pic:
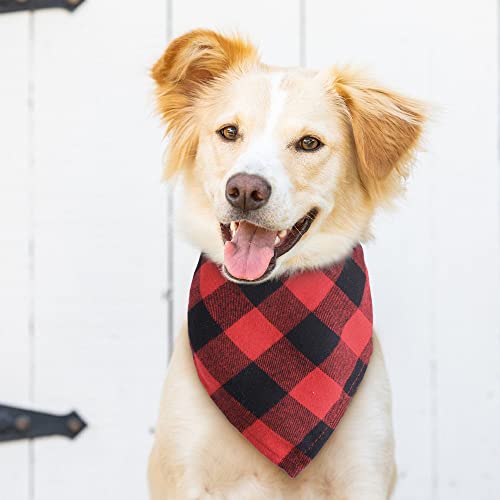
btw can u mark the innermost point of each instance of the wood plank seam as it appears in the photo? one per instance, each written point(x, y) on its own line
point(170, 227)
point(31, 243)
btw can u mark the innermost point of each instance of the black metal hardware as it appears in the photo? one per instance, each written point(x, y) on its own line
point(18, 5)
point(18, 423)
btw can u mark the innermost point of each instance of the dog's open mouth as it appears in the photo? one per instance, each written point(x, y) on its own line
point(250, 251)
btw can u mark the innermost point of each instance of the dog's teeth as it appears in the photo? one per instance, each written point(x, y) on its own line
point(233, 227)
point(277, 240)
point(282, 233)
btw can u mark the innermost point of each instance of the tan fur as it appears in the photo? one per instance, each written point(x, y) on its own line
point(192, 60)
point(206, 81)
point(386, 129)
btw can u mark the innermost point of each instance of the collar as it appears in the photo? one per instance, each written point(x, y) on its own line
point(282, 359)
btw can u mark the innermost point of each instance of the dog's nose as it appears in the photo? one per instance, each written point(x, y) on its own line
point(247, 192)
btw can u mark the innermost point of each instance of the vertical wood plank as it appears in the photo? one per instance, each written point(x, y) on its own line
point(274, 27)
point(100, 230)
point(15, 366)
point(466, 225)
point(388, 39)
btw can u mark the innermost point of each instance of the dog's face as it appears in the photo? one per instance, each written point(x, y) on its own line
point(268, 159)
point(283, 168)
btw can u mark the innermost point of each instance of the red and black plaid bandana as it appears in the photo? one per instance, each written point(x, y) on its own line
point(282, 359)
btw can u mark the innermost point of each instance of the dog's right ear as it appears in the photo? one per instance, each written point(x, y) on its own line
point(191, 62)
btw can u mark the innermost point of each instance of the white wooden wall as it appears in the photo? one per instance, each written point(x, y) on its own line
point(91, 276)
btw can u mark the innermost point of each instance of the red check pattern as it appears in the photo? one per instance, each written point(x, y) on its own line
point(283, 359)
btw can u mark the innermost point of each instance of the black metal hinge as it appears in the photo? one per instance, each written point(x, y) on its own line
point(19, 5)
point(18, 423)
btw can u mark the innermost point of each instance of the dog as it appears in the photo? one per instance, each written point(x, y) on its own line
point(264, 149)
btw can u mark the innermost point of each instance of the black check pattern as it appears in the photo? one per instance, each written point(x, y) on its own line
point(283, 359)
point(313, 339)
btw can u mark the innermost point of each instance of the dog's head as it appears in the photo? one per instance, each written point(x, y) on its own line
point(283, 168)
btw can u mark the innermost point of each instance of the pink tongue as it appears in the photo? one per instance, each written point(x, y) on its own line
point(248, 254)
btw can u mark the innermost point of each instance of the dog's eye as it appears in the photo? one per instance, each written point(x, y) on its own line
point(309, 143)
point(229, 133)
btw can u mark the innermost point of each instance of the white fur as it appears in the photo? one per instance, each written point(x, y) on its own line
point(262, 158)
point(278, 99)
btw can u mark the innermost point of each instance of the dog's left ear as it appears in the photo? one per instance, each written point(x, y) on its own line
point(386, 128)
point(190, 64)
